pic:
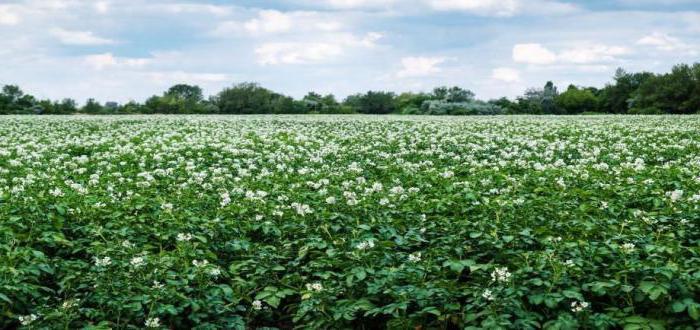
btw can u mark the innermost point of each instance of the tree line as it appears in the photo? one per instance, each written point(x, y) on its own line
point(675, 92)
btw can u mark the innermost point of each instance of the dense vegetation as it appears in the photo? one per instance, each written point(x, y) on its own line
point(214, 222)
point(677, 92)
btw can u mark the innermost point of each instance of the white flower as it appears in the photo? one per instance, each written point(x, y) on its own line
point(225, 199)
point(500, 275)
point(157, 285)
point(628, 247)
point(214, 272)
point(183, 237)
point(127, 244)
point(555, 239)
point(152, 322)
point(302, 209)
point(200, 264)
point(103, 262)
point(414, 257)
point(447, 174)
point(314, 287)
point(675, 195)
point(27, 319)
point(487, 294)
point(560, 182)
point(330, 200)
point(365, 245)
point(577, 307)
point(398, 190)
point(167, 207)
point(569, 263)
point(137, 262)
point(70, 303)
point(257, 305)
point(56, 192)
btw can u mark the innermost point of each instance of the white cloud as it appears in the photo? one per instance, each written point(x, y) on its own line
point(175, 77)
point(102, 61)
point(498, 8)
point(508, 75)
point(587, 54)
point(7, 16)
point(326, 49)
point(188, 8)
point(420, 66)
point(371, 38)
point(358, 4)
point(297, 52)
point(269, 22)
point(482, 7)
point(664, 42)
point(102, 7)
point(533, 54)
point(81, 38)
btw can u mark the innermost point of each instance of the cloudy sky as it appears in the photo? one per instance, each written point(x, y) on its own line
point(131, 49)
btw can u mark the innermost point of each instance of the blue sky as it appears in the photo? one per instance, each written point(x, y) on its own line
point(131, 49)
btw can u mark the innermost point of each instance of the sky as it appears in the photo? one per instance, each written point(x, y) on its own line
point(123, 50)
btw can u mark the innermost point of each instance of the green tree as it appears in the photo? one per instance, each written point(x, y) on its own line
point(92, 107)
point(506, 104)
point(531, 101)
point(576, 100)
point(66, 106)
point(410, 103)
point(619, 96)
point(452, 94)
point(317, 103)
point(250, 98)
point(14, 101)
point(188, 93)
point(180, 99)
point(373, 102)
point(549, 96)
point(675, 92)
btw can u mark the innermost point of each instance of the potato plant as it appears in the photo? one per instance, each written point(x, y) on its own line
point(212, 222)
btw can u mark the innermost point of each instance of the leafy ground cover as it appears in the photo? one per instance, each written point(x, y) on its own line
point(350, 222)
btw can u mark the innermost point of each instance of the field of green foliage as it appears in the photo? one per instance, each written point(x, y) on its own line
point(217, 222)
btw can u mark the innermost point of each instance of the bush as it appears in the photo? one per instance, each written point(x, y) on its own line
point(439, 107)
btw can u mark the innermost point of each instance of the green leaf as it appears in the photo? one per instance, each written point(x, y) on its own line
point(678, 306)
point(652, 289)
point(431, 310)
point(694, 311)
point(5, 298)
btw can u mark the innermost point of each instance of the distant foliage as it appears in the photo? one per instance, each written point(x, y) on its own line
point(441, 107)
point(676, 92)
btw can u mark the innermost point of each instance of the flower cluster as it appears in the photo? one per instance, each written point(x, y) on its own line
point(500, 275)
point(578, 307)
